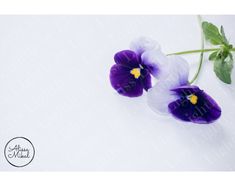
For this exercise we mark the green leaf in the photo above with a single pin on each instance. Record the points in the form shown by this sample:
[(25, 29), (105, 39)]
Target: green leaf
[(223, 67), (211, 33), (213, 56), (224, 38)]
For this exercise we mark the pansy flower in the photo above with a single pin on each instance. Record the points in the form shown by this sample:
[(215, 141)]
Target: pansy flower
[(131, 73), (174, 95)]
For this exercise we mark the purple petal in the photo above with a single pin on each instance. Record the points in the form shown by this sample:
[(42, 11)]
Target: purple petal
[(125, 83), (206, 110), (127, 58)]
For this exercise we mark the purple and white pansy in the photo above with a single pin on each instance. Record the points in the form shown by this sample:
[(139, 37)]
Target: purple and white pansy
[(172, 94), (131, 73)]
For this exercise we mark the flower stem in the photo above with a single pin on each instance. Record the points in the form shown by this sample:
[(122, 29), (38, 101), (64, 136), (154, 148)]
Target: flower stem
[(202, 52), (197, 51)]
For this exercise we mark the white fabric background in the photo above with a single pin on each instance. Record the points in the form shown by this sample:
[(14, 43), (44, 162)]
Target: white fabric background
[(55, 90)]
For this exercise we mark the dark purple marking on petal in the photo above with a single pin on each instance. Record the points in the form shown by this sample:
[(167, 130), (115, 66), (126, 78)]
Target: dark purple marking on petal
[(205, 111), (186, 90), (127, 58), (145, 79), (125, 83)]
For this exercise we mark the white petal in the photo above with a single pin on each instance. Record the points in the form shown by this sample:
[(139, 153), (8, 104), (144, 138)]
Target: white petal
[(161, 95), (143, 44), (156, 59), (179, 69)]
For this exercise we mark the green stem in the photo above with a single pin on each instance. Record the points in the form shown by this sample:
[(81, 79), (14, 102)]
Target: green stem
[(202, 52), (197, 51)]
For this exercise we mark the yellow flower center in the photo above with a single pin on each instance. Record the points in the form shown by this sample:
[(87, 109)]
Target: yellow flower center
[(136, 72), (193, 99)]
